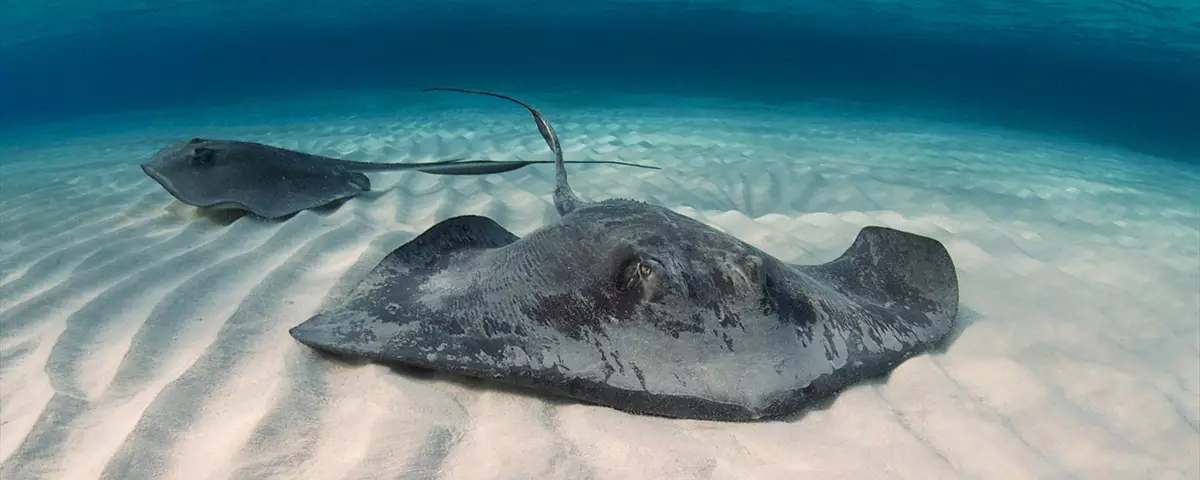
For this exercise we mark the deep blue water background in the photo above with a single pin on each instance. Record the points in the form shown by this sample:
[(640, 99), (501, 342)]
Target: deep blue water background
[(1135, 84)]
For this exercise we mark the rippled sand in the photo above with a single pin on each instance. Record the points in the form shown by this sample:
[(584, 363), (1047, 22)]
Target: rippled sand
[(142, 338)]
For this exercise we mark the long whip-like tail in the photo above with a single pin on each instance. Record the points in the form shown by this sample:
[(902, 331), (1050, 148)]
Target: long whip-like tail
[(565, 199)]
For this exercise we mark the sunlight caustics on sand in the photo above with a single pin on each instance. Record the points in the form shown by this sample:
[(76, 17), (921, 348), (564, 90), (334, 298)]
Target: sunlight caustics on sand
[(142, 338)]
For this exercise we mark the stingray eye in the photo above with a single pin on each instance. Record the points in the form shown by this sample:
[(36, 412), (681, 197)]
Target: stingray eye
[(202, 156), (645, 270)]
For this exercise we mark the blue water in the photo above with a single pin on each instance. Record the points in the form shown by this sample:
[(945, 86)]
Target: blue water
[(1125, 74), (1053, 146)]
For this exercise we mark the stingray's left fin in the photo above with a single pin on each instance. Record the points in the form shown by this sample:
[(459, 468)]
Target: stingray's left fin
[(362, 325)]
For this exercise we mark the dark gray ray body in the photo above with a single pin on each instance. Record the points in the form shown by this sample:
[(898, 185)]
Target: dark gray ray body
[(273, 182), (633, 306)]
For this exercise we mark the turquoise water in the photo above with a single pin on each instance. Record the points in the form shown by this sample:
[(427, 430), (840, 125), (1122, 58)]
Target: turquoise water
[(1051, 146), (1121, 73)]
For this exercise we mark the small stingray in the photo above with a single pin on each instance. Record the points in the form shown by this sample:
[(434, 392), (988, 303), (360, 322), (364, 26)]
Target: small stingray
[(274, 182), (636, 307)]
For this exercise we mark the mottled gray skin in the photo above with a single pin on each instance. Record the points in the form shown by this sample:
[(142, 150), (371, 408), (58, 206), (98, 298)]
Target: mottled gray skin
[(274, 182), (636, 307)]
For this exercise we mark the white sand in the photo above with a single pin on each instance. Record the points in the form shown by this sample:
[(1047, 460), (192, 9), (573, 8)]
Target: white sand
[(139, 339)]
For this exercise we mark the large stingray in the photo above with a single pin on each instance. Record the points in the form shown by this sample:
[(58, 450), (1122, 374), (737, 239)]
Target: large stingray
[(633, 306), (273, 182)]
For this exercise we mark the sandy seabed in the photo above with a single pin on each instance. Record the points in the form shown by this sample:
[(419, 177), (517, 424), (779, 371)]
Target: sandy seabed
[(142, 338)]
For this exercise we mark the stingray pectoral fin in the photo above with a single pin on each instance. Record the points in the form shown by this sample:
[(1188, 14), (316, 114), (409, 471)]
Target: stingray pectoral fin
[(383, 318), (907, 271), (890, 296)]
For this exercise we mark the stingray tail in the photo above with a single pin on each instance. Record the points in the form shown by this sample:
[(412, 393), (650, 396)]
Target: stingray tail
[(484, 167), (354, 166), (565, 199), (462, 166)]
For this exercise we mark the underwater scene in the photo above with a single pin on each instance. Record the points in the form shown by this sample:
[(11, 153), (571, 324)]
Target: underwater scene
[(624, 239)]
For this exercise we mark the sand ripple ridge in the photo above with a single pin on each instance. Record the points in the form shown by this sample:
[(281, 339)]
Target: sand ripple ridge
[(142, 338)]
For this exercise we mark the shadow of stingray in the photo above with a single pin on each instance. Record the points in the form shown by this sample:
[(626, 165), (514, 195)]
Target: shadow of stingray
[(225, 216), (326, 209), (473, 384), (965, 318), (222, 216), (481, 385)]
